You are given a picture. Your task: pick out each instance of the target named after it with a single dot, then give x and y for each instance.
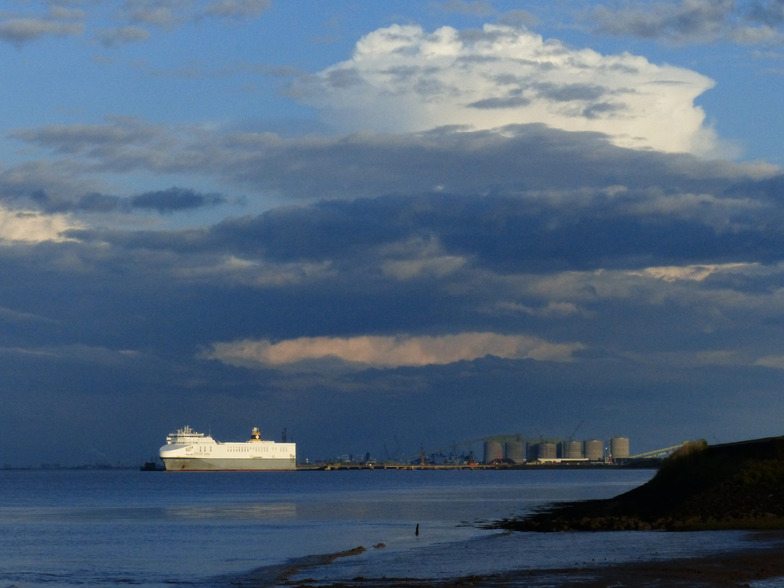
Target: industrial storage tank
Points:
(546, 450)
(593, 449)
(494, 451)
(619, 447)
(513, 450)
(571, 449)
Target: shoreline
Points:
(699, 488)
(722, 569)
(762, 558)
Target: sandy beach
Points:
(736, 569)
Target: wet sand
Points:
(734, 569)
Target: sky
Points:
(386, 226)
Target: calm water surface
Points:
(109, 528)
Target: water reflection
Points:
(236, 512)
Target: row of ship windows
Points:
(249, 449)
(237, 449)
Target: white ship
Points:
(188, 450)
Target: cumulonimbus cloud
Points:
(404, 79)
(381, 351)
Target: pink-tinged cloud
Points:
(396, 351)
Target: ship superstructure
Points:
(188, 450)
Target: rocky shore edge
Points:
(700, 487)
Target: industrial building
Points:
(518, 451)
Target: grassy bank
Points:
(700, 487)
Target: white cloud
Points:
(696, 273)
(33, 227)
(404, 79)
(390, 351)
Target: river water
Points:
(202, 529)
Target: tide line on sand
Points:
(737, 568)
(280, 574)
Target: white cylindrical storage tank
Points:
(571, 449)
(619, 447)
(546, 450)
(494, 451)
(593, 449)
(513, 450)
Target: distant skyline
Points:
(400, 223)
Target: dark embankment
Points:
(700, 487)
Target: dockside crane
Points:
(577, 428)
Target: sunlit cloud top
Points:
(33, 227)
(404, 78)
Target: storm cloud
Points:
(464, 231)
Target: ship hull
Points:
(185, 464)
(187, 450)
